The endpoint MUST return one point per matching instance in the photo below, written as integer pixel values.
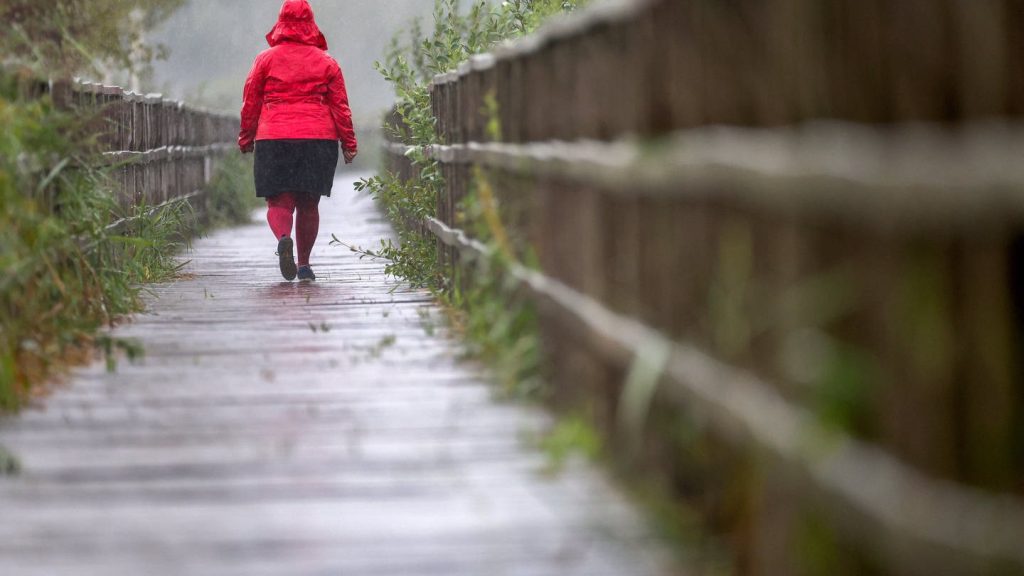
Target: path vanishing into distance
(277, 428)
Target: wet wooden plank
(278, 428)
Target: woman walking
(294, 112)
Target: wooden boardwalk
(284, 429)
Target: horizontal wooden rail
(85, 87)
(907, 179)
(923, 524)
(165, 153)
(559, 28)
(142, 122)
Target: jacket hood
(296, 24)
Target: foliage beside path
(66, 270)
(66, 37)
(500, 325)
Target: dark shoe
(306, 274)
(286, 258)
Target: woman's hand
(248, 148)
(350, 155)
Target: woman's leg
(280, 210)
(307, 225)
(279, 214)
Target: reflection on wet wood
(281, 428)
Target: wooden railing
(805, 219)
(651, 67)
(160, 149)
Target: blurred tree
(67, 37)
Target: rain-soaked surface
(284, 428)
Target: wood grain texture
(293, 429)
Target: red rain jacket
(295, 89)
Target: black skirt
(295, 166)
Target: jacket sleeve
(252, 103)
(337, 99)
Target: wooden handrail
(905, 179)
(924, 524)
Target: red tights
(307, 221)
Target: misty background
(213, 43)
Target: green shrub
(230, 197)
